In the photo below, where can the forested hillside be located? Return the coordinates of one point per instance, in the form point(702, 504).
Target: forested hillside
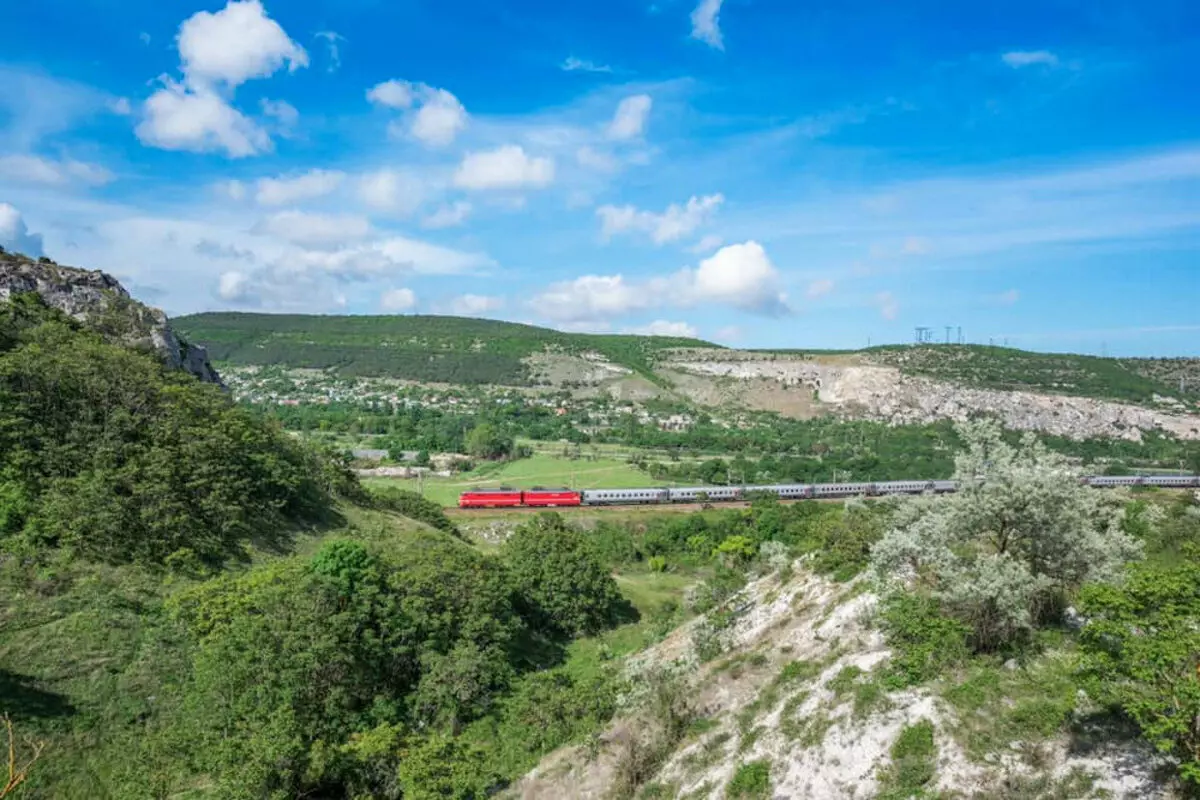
point(420, 348)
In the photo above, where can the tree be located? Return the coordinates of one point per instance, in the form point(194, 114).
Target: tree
point(486, 441)
point(560, 576)
point(1012, 546)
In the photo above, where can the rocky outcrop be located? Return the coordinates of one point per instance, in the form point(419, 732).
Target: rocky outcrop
point(99, 301)
point(885, 394)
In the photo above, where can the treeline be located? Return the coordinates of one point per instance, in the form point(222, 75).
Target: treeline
point(425, 348)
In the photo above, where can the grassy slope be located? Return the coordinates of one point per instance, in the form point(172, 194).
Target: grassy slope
point(427, 348)
point(539, 470)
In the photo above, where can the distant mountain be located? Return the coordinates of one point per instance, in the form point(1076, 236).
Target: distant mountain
point(421, 348)
point(99, 301)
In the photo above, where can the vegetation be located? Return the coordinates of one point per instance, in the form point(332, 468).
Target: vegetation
point(914, 763)
point(752, 781)
point(423, 348)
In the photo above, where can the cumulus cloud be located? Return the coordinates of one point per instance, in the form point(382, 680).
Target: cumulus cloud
point(234, 286)
point(887, 305)
point(707, 244)
point(394, 191)
point(233, 190)
point(35, 169)
point(121, 107)
point(740, 275)
point(285, 191)
point(506, 167)
point(314, 230)
point(234, 45)
point(573, 64)
point(15, 235)
point(283, 112)
point(1028, 58)
point(392, 255)
point(730, 333)
point(675, 223)
point(448, 216)
point(474, 305)
point(661, 327)
point(819, 288)
point(397, 300)
point(596, 159)
point(706, 24)
point(439, 116)
point(219, 52)
point(630, 119)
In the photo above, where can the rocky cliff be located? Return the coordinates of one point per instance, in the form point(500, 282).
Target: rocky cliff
point(101, 302)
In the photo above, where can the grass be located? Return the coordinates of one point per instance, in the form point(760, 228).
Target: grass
point(541, 469)
point(751, 781)
point(913, 766)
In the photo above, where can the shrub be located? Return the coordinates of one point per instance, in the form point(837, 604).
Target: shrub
point(413, 506)
point(913, 764)
point(924, 641)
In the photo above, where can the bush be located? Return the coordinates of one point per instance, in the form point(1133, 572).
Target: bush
point(924, 641)
point(1139, 654)
point(913, 766)
point(413, 506)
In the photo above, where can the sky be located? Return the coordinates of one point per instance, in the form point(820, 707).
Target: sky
point(759, 173)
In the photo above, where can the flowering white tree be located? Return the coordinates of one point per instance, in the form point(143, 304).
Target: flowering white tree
point(1017, 539)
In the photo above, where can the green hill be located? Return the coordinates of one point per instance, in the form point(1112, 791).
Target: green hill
point(423, 348)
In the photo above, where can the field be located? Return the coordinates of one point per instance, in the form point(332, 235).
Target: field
point(539, 470)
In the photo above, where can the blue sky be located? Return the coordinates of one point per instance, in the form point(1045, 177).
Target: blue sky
point(755, 172)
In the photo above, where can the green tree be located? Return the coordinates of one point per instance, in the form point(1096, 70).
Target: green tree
point(1012, 546)
point(568, 589)
point(487, 441)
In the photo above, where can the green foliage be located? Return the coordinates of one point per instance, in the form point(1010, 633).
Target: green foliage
point(1140, 649)
point(1007, 551)
point(413, 506)
point(486, 441)
point(752, 781)
point(422, 348)
point(737, 549)
point(108, 455)
point(924, 641)
point(567, 588)
point(913, 765)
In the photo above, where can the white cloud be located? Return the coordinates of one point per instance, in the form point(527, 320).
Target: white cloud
point(285, 191)
point(661, 327)
point(179, 118)
point(331, 39)
point(595, 159)
point(630, 119)
point(282, 111)
point(1008, 298)
point(234, 45)
point(234, 286)
point(887, 305)
point(121, 107)
point(573, 64)
point(15, 235)
point(1028, 58)
point(35, 169)
point(676, 222)
point(396, 192)
point(397, 300)
point(219, 52)
point(234, 190)
point(439, 118)
point(706, 244)
point(730, 333)
point(506, 167)
point(740, 275)
point(474, 305)
point(705, 23)
point(314, 230)
point(448, 216)
point(393, 255)
point(145, 37)
point(819, 288)
point(593, 297)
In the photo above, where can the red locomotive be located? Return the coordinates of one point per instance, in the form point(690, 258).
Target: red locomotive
point(508, 498)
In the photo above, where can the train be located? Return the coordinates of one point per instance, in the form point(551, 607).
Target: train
point(540, 497)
